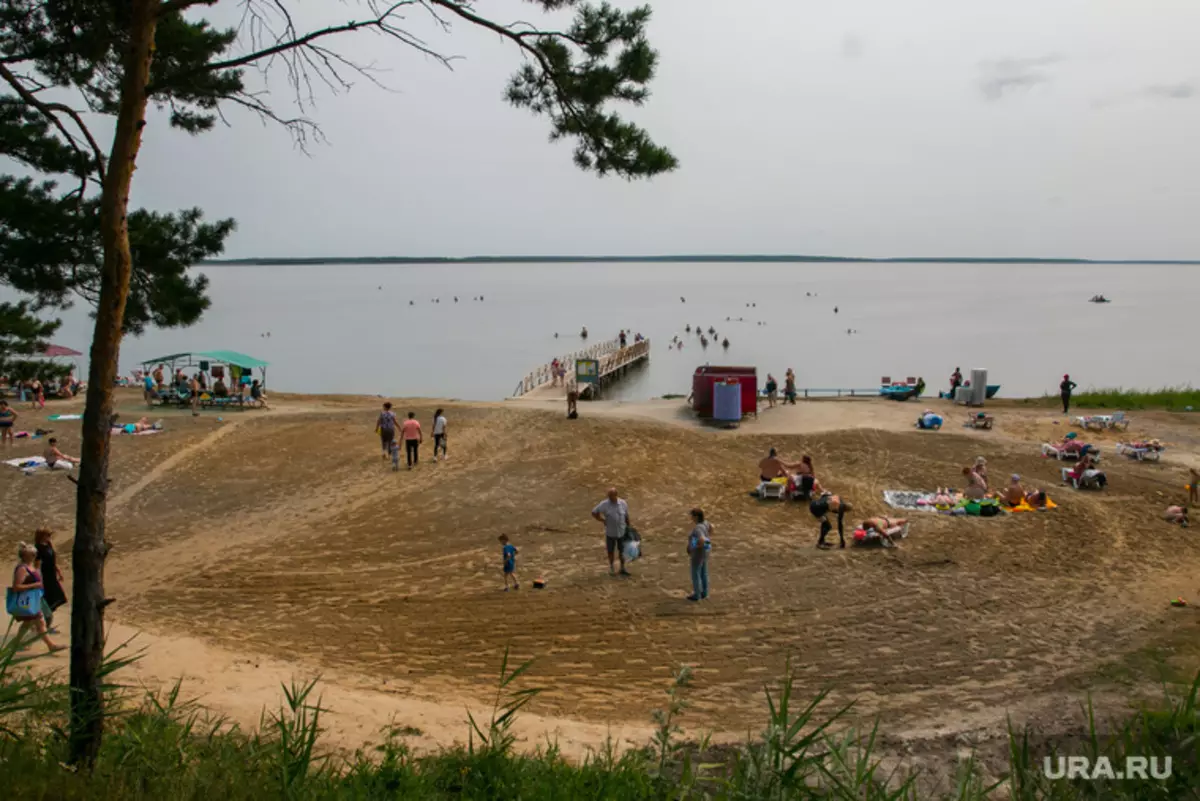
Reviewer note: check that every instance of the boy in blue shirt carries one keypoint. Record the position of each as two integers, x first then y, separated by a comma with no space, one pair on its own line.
510,562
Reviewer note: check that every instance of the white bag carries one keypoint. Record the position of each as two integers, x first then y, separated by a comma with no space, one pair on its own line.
630,550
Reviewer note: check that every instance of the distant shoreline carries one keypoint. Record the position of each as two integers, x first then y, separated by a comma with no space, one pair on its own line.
673,259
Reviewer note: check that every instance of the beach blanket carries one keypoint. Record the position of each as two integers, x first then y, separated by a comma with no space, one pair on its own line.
65,417
919,501
29,464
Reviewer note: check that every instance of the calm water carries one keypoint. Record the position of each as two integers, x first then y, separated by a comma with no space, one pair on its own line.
351,329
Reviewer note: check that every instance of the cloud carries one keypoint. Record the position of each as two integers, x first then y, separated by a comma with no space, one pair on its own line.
1184,90
1007,75
1174,91
852,46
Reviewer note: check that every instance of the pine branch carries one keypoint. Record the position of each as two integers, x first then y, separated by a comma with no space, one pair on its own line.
51,112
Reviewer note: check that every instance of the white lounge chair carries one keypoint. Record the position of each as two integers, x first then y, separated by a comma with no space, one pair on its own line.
772,489
1089,480
1118,420
1140,453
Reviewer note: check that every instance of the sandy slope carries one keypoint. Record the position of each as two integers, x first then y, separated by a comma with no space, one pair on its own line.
272,545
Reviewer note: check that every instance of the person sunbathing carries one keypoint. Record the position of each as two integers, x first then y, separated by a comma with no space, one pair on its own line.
1036,498
885,526
1014,493
141,425
772,467
976,486
56,458
1085,469
219,389
1177,515
981,469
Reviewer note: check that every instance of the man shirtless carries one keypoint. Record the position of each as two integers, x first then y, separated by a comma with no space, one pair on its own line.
56,459
772,467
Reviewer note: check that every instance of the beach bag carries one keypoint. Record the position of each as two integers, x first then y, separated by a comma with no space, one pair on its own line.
631,544
27,603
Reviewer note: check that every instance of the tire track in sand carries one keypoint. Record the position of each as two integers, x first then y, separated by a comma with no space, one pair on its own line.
167,465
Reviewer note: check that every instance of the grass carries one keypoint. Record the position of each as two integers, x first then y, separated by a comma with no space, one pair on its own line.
1172,399
170,748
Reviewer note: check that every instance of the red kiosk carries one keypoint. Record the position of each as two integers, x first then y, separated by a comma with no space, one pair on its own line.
705,377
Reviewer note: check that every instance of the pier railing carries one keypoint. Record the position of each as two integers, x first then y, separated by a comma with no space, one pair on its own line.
545,373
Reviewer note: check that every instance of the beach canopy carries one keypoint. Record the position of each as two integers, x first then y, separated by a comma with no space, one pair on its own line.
231,357
52,351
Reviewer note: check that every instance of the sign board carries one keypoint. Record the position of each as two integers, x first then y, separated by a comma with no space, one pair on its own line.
587,371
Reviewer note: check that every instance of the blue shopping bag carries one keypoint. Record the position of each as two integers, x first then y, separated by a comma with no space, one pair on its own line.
27,603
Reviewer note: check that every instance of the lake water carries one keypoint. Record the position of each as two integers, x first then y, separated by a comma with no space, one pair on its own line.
350,329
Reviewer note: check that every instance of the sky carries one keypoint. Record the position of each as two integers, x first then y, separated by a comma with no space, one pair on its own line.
1049,128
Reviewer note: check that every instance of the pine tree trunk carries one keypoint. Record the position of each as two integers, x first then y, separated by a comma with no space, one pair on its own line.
90,548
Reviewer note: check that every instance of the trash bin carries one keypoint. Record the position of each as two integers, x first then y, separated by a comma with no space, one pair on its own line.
727,400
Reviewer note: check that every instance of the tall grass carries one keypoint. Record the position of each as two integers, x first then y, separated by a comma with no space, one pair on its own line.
1174,399
171,748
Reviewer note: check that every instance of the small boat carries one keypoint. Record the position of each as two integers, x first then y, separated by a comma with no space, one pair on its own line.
900,392
992,390
1098,299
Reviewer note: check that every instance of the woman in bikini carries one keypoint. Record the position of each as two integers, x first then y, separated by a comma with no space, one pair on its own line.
885,526
821,508
7,417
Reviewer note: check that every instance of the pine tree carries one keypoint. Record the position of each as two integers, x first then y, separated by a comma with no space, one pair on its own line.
122,56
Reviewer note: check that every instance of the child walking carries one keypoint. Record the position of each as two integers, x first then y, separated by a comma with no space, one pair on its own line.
509,552
394,449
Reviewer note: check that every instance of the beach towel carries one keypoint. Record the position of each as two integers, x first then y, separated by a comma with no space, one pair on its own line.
65,417
1025,507
31,463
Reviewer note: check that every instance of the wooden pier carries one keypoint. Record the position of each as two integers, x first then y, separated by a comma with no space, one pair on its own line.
615,362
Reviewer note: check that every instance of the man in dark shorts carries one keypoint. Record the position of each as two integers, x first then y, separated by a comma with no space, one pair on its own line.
613,512
386,426
821,508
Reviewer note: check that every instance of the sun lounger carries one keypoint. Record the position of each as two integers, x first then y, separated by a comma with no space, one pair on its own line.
1091,479
980,420
773,489
1140,450
1056,451
1118,420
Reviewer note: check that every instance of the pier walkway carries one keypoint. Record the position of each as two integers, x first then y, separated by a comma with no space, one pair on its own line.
615,361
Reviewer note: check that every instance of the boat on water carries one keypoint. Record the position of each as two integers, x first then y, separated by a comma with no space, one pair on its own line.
1098,299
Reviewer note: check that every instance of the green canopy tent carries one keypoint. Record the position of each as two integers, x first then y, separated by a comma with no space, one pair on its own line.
205,359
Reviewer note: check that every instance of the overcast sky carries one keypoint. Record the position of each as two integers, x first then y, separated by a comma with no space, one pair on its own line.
857,127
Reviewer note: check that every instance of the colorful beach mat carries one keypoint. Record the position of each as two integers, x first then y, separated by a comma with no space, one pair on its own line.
65,417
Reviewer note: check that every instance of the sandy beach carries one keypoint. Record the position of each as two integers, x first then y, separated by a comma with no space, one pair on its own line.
276,544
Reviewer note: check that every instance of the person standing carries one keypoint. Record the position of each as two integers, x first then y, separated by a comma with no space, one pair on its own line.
789,386
1065,389
410,432
52,577
613,513
772,391
385,426
698,547
8,416
508,552
194,393
439,434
